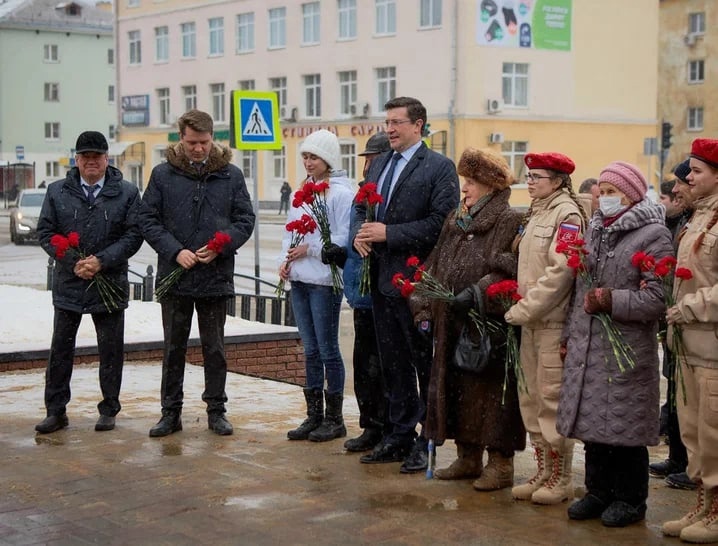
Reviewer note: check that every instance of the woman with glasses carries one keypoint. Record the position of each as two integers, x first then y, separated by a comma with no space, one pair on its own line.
545,284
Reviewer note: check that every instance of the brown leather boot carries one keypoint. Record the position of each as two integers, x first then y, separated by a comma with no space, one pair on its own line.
467,465
498,473
542,454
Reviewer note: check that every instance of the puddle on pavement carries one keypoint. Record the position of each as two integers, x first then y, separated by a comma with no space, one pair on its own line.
258,502
411,503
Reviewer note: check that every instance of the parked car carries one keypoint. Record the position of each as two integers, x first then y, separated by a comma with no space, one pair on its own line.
24,215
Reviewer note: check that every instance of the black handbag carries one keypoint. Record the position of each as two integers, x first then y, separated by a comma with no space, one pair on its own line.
473,355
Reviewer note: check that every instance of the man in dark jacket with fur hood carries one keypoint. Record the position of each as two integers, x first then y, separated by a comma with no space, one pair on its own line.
190,198
99,209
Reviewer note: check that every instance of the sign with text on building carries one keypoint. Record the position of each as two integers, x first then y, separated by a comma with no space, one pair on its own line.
254,121
135,110
537,24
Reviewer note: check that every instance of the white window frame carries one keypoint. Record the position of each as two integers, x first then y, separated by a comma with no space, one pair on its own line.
310,23
514,151
52,130
51,53
134,42
279,163
246,85
385,85
162,44
347,92
697,23
429,14
52,92
219,107
188,32
279,86
247,162
347,24
312,95
111,94
515,84
163,105
696,71
215,26
694,118
135,174
111,132
277,28
385,12
348,155
245,32
189,96
52,169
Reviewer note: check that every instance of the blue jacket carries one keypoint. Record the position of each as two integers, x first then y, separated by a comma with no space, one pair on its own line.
352,275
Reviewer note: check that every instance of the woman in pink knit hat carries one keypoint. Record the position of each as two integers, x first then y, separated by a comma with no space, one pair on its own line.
611,407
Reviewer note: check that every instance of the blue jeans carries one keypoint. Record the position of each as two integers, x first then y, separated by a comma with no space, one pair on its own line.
316,310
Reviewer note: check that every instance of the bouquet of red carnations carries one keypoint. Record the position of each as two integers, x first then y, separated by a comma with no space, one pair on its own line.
368,196
299,229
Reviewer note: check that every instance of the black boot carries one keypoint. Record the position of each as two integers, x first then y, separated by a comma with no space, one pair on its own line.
333,424
171,422
315,414
368,439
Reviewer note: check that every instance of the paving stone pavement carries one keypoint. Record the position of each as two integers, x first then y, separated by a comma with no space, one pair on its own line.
78,486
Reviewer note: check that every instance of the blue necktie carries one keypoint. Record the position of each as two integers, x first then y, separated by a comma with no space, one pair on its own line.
386,185
91,193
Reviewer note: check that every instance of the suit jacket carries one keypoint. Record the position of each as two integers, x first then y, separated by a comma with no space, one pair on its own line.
425,193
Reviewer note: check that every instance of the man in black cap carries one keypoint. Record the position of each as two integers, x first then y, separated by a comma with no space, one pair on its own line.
99,208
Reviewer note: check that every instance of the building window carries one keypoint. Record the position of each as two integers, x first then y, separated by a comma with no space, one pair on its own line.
133,3
385,85
110,56
514,153
110,93
347,19
52,169
348,159
163,100
245,32
246,85
348,92
216,36
515,84
310,23
279,86
430,13
279,163
313,95
696,72
696,23
112,132
189,92
52,130
52,92
277,27
216,90
189,40
135,43
162,44
50,53
385,16
135,175
695,119
247,161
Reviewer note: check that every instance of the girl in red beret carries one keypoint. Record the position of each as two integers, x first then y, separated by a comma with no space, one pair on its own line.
696,312
546,283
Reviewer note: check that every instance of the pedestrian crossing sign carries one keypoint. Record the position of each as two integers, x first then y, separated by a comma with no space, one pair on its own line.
254,121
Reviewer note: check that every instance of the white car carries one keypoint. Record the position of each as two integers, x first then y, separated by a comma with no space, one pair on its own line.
24,215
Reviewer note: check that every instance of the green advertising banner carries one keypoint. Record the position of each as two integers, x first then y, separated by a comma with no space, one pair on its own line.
538,24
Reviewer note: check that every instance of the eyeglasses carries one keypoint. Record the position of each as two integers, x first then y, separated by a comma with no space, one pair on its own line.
395,122
531,177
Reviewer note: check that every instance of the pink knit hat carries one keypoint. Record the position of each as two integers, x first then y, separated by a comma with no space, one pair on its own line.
627,178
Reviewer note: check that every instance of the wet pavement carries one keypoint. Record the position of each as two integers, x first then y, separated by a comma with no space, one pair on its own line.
78,486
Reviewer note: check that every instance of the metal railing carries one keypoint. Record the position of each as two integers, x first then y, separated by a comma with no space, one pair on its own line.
251,306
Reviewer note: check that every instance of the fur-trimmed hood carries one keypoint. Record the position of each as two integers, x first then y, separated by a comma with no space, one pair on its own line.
219,157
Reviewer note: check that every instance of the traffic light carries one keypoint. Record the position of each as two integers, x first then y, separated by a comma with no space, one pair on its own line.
666,136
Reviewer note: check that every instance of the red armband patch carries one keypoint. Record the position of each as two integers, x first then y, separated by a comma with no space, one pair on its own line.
568,233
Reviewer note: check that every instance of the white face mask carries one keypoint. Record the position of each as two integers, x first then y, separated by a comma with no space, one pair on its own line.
611,206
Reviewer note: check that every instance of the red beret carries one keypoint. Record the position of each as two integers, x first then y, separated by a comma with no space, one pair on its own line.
550,160
706,149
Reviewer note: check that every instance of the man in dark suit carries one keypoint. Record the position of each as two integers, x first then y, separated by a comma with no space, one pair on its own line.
420,188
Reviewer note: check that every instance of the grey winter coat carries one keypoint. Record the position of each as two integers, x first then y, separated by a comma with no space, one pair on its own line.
183,209
108,229
598,403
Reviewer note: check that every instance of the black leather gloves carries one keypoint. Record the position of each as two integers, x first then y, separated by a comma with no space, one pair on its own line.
334,254
463,302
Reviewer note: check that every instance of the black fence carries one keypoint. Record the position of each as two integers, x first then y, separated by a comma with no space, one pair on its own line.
257,307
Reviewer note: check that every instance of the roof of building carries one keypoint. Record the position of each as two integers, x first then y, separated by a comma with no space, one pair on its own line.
54,15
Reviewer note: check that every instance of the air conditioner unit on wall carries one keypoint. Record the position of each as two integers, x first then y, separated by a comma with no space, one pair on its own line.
289,114
496,138
689,40
494,106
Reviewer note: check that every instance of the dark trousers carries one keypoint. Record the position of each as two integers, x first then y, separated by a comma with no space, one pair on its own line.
176,321
405,356
110,329
368,380
676,450
617,473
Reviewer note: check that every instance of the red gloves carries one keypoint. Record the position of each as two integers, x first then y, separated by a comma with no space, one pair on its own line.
597,300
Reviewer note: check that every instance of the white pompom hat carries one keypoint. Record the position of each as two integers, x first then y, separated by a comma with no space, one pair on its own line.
323,144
